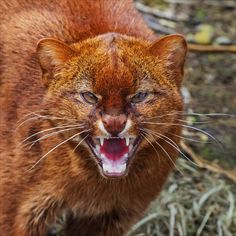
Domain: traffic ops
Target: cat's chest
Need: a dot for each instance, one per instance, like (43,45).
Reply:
(86,208)
(99,199)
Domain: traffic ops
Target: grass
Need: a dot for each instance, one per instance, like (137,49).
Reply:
(198,203)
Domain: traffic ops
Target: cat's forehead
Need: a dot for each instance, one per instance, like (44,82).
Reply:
(115,64)
(114,75)
(110,68)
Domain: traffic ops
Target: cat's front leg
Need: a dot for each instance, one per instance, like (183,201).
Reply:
(38,216)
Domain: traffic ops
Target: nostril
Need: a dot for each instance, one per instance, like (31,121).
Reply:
(123,123)
(105,122)
(122,120)
(114,124)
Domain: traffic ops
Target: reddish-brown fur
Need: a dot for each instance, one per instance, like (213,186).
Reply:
(68,185)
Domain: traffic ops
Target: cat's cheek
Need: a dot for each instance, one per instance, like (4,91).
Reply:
(148,110)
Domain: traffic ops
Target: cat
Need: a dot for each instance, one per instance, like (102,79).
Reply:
(90,107)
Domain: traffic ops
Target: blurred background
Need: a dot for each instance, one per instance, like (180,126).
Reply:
(200,197)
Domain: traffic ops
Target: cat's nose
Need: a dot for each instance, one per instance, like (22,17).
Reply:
(114,124)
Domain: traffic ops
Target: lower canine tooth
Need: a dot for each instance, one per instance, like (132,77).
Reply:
(98,148)
(127,141)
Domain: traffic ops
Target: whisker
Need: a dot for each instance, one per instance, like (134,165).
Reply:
(50,135)
(46,117)
(194,114)
(29,114)
(209,114)
(189,139)
(173,144)
(189,127)
(32,118)
(151,145)
(194,122)
(55,147)
(80,143)
(46,130)
(163,149)
(160,116)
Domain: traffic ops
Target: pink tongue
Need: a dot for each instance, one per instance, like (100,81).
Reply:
(114,148)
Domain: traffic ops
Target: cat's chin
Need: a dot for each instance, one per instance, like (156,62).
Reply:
(113,154)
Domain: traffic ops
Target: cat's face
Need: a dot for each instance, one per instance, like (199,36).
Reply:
(110,86)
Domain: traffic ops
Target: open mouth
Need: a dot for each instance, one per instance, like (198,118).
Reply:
(113,154)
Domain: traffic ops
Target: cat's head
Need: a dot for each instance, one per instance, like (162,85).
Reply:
(113,87)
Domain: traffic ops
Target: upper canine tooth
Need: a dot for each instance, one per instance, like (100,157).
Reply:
(101,141)
(127,141)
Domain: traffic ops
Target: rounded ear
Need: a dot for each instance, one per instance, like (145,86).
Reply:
(52,53)
(171,49)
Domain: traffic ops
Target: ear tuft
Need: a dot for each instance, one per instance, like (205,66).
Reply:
(172,49)
(52,53)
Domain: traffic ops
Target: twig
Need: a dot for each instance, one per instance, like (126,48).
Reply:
(227,3)
(212,48)
(143,221)
(204,221)
(231,174)
(168,15)
(151,21)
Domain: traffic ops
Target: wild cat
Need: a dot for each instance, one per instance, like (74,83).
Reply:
(81,81)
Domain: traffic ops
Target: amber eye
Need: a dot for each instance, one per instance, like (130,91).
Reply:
(89,97)
(139,97)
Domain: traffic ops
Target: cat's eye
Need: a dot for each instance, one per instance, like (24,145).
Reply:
(139,97)
(89,97)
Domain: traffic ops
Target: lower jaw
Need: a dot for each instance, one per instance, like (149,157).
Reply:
(122,170)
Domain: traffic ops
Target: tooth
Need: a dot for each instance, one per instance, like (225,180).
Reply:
(123,167)
(127,141)
(101,141)
(109,168)
(97,148)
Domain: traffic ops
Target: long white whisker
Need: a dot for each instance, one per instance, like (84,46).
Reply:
(172,143)
(194,122)
(193,114)
(46,130)
(55,147)
(29,114)
(43,117)
(32,118)
(168,114)
(190,139)
(189,127)
(151,145)
(80,143)
(209,114)
(163,149)
(50,135)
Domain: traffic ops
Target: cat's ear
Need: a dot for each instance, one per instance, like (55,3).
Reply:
(52,53)
(172,51)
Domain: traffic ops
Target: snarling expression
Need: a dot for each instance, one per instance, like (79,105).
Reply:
(110,85)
